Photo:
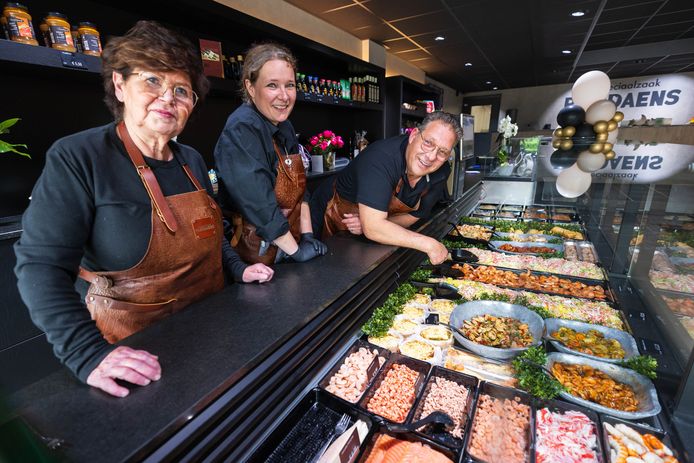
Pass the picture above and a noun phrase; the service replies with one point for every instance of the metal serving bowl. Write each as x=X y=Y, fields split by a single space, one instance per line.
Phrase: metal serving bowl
x=473 y=309
x=628 y=343
x=642 y=386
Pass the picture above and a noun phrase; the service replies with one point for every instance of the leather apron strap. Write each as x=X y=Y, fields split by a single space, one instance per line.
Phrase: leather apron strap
x=148 y=179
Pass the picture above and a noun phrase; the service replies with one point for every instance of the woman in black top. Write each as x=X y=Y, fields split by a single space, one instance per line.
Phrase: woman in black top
x=262 y=180
x=148 y=239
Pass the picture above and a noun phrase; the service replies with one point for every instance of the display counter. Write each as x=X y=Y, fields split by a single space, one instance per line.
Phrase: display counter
x=231 y=364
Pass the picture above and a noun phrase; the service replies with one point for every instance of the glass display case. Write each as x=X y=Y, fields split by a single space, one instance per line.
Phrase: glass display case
x=519 y=164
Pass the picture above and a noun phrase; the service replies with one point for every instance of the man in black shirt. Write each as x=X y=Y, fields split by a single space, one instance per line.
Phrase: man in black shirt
x=390 y=186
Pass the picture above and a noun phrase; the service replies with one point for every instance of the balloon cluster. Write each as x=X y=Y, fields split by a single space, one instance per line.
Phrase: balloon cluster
x=586 y=137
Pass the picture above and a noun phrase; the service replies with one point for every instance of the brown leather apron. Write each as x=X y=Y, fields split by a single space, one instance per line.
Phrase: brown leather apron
x=183 y=262
x=290 y=186
x=337 y=207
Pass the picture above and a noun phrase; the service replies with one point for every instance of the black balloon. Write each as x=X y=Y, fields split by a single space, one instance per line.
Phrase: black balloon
x=563 y=159
x=571 y=115
x=584 y=136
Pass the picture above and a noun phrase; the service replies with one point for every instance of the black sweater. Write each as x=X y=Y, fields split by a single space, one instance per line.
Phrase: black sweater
x=90 y=208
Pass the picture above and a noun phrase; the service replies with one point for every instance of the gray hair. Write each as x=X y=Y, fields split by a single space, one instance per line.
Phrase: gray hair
x=256 y=57
x=449 y=119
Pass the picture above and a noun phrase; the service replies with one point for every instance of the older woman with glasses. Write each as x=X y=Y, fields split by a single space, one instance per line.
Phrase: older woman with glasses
x=127 y=209
x=390 y=186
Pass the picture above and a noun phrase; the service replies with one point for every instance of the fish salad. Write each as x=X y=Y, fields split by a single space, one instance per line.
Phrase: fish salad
x=626 y=443
x=350 y=381
x=449 y=397
x=395 y=395
x=567 y=437
x=500 y=431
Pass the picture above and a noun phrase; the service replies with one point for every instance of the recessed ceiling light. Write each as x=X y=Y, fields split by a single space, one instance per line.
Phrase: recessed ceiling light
x=438 y=38
x=468 y=64
x=566 y=52
x=578 y=13
x=495 y=88
x=488 y=82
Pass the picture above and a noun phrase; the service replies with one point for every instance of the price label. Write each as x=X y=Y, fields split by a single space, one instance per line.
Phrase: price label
x=70 y=60
x=308 y=96
x=349 y=452
x=372 y=370
x=432 y=319
x=641 y=317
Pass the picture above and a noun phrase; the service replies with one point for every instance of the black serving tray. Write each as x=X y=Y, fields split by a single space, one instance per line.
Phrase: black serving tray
x=420 y=366
x=276 y=447
x=359 y=343
x=502 y=392
x=436 y=433
x=561 y=406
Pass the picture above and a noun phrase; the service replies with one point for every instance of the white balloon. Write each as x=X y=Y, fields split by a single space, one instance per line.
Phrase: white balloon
x=601 y=110
x=589 y=162
x=573 y=182
x=612 y=136
x=590 y=87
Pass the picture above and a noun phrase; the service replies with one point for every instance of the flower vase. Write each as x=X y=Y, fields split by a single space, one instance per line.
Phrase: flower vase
x=317 y=163
x=329 y=161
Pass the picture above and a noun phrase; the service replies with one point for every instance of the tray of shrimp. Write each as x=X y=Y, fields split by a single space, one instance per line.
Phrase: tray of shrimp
x=352 y=375
x=627 y=442
x=396 y=388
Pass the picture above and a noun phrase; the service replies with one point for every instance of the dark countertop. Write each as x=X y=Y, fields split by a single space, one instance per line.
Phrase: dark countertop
x=203 y=350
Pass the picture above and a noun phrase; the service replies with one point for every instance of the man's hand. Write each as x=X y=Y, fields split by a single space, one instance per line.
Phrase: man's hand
x=353 y=223
x=134 y=366
x=436 y=251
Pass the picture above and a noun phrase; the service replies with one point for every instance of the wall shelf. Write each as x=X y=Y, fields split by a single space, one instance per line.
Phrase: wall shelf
x=399 y=90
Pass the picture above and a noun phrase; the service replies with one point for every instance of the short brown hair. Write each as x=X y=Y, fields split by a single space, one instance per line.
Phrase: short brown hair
x=447 y=118
x=150 y=46
x=256 y=57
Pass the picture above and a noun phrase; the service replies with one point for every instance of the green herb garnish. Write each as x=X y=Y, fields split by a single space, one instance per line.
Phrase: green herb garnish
x=421 y=275
x=382 y=318
x=532 y=378
x=643 y=364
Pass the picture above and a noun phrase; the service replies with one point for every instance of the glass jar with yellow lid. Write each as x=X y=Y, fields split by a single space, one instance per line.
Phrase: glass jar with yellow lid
x=16 y=21
x=56 y=30
x=90 y=39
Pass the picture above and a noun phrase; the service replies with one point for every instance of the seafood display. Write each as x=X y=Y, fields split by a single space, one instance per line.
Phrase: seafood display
x=626 y=444
x=390 y=341
x=565 y=437
x=389 y=449
x=539 y=264
x=396 y=394
x=562 y=217
x=566 y=233
x=590 y=384
x=570 y=251
x=680 y=305
x=350 y=381
x=418 y=350
x=449 y=397
x=590 y=342
x=595 y=312
x=527 y=249
x=472 y=364
x=527 y=280
x=501 y=332
x=500 y=430
x=535 y=215
x=475 y=232
x=672 y=281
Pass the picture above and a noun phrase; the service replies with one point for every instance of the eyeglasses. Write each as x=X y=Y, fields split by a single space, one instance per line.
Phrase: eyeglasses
x=428 y=146
x=156 y=85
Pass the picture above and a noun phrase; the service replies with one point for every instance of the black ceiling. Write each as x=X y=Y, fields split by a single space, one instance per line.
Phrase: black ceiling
x=519 y=43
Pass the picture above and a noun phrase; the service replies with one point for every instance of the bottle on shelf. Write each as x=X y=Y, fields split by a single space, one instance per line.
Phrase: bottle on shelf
x=239 y=61
x=55 y=30
x=16 y=22
x=90 y=39
x=234 y=70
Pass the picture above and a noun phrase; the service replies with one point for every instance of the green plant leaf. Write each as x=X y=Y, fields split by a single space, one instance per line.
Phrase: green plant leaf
x=5 y=125
x=9 y=147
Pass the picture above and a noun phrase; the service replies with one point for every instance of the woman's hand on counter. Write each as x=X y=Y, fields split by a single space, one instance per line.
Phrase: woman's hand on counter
x=257 y=272
x=134 y=366
x=352 y=223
